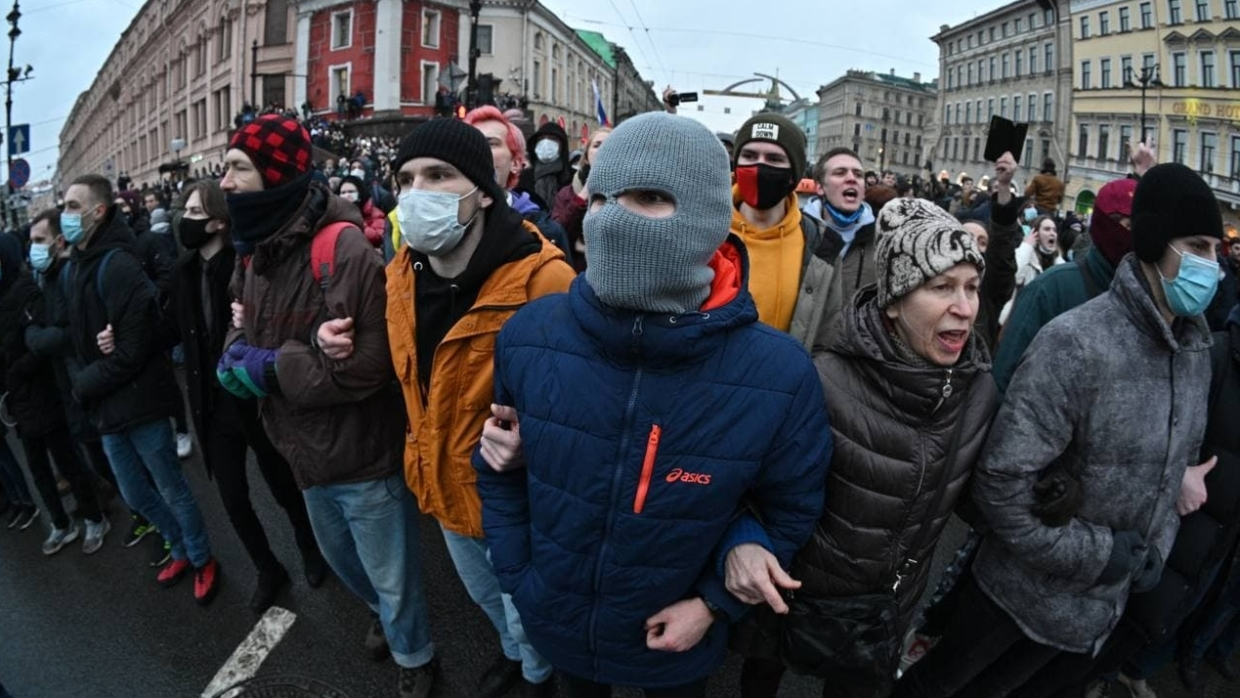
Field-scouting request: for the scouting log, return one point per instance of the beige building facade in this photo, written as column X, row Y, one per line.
column 1190, row 50
column 540, row 57
column 1013, row 62
column 882, row 117
column 168, row 92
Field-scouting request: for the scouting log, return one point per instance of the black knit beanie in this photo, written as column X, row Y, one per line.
column 456, row 143
column 777, row 129
column 1171, row 201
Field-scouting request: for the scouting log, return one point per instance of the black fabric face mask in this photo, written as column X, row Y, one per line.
column 194, row 232
column 763, row 186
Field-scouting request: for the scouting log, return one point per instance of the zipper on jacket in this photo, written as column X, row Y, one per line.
column 903, row 566
column 945, row 392
column 612, row 510
column 652, row 451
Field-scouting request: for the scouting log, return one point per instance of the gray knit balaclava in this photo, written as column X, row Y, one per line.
column 658, row 265
column 917, row 241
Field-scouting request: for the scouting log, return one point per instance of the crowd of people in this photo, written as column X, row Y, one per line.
column 659, row 407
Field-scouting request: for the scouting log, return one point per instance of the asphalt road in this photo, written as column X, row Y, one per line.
column 99, row 626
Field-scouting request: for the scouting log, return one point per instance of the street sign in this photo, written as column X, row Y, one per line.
column 19, row 173
column 19, row 139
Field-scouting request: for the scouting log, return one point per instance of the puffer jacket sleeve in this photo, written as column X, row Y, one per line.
column 132, row 310
column 308, row 378
column 1035, row 427
column 1005, row 236
column 788, row 495
column 505, row 502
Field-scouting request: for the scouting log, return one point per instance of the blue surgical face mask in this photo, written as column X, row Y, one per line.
column 1030, row 214
column 1190, row 292
column 40, row 256
column 71, row 227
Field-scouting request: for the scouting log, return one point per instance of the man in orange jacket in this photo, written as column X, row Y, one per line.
column 468, row 263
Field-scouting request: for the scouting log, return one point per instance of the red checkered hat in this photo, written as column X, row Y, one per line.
column 278, row 146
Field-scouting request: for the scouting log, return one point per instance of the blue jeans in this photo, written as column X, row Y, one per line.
column 12, row 479
column 172, row 509
column 473, row 566
column 368, row 532
column 1218, row 635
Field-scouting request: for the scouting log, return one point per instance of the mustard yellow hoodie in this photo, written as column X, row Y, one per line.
column 774, row 262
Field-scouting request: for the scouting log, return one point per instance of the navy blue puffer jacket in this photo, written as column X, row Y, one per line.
column 642, row 434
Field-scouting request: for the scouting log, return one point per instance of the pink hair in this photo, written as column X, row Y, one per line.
column 515, row 140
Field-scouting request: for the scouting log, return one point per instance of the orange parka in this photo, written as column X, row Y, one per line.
column 445, row 425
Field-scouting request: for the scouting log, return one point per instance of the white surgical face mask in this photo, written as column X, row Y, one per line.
column 349, row 196
column 547, row 150
column 360, row 174
column 429, row 220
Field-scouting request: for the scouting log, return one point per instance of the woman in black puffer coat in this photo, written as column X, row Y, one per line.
column 34, row 402
column 911, row 398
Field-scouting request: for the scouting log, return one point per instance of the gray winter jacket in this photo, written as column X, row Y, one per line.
column 821, row 296
column 1116, row 395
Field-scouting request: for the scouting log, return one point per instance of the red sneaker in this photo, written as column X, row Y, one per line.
column 206, row 582
column 172, row 573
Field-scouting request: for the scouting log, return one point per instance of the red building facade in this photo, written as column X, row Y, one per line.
column 392, row 52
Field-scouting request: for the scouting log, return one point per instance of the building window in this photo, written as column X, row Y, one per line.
column 1235, row 70
column 1028, row 150
column 994, row 73
column 183, row 69
column 977, row 149
column 430, row 82
column 1046, row 149
column 1086, row 76
column 485, row 36
column 1125, row 19
column 856, row 129
column 1104, row 136
column 950, row 79
column 430, row 33
column 968, row 112
column 1084, row 26
column 990, row 108
column 340, row 79
column 1104, row 70
column 959, row 76
column 1125, row 141
column 1147, row 62
column 1033, row 109
column 857, row 111
column 969, row 74
column 1173, row 10
column 1020, row 60
column 223, row 107
column 1207, row 69
column 1203, row 10
column 1033, row 61
column 1235, row 157
column 538, row 41
column 1231, row 10
column 1209, row 148
column 200, row 57
column 1147, row 16
column 555, row 85
column 537, row 80
column 226, row 39
column 1006, row 58
column 992, row 35
column 1179, row 145
column 1049, row 17
column 1016, row 105
column 1049, row 61
column 342, row 30
column 1033, row 20
column 956, row 140
column 1125, row 68
column 1179, row 69
column 1082, row 141
column 947, row 114
column 1003, row 107
column 1104, row 23
column 1016, row 25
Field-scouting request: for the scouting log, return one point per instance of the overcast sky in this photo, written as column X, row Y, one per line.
column 692, row 44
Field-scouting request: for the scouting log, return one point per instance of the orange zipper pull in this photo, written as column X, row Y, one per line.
column 643, row 485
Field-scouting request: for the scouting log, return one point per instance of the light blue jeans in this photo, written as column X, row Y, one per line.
column 172, row 509
column 368, row 532
column 473, row 565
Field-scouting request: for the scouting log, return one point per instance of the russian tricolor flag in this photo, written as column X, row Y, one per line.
column 598, row 106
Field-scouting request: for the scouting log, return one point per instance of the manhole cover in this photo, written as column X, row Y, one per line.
column 282, row 686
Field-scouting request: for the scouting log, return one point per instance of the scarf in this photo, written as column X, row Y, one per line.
column 257, row 215
column 840, row 219
column 848, row 226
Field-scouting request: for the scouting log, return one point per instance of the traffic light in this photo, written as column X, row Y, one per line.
column 460, row 111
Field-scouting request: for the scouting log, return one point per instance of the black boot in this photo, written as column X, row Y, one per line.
column 270, row 584
column 501, row 676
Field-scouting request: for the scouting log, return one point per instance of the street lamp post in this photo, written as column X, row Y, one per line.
column 882, row 148
column 471, row 92
column 14, row 75
column 1147, row 79
column 254, row 76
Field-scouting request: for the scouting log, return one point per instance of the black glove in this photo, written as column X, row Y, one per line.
column 1127, row 556
column 1056, row 498
column 1148, row 576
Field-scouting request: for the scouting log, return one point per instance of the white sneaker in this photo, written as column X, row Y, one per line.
column 94, row 535
column 59, row 538
column 185, row 445
column 1139, row 688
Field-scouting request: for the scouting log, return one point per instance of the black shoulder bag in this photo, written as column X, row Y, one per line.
column 855, row 637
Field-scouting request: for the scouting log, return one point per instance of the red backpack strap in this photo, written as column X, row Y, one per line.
column 323, row 252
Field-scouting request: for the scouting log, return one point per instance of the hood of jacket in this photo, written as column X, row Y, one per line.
column 113, row 233
column 915, row 390
column 553, row 130
column 319, row 209
column 744, row 229
column 665, row 340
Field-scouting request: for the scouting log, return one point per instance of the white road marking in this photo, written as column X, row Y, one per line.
column 253, row 650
